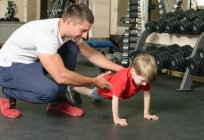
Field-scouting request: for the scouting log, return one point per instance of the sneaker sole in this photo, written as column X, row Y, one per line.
column 11, row 117
column 70, row 114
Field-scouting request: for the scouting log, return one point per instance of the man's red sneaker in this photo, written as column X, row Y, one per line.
column 65, row 108
column 8, row 108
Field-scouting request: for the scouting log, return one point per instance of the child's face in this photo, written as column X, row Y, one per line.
column 139, row 80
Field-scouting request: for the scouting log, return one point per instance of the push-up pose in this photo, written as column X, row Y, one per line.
column 126, row 83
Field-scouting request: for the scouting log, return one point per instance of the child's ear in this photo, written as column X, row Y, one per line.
column 133, row 72
column 133, row 75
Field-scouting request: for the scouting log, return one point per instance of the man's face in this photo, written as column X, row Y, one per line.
column 77, row 31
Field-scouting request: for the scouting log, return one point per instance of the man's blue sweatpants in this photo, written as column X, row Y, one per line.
column 29, row 82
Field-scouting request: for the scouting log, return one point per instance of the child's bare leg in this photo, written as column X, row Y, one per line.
column 84, row 91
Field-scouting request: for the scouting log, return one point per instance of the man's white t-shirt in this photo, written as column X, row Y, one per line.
column 23, row 46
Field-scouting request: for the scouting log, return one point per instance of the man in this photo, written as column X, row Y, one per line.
column 49, row 46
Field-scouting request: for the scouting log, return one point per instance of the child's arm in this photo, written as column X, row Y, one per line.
column 147, row 115
column 115, row 108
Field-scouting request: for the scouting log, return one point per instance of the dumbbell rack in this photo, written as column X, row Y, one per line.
column 188, row 78
column 133, row 30
column 199, row 41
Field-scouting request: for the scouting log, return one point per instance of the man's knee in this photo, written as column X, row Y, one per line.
column 48, row 94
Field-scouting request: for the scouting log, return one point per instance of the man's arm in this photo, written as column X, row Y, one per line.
column 115, row 110
column 97, row 58
column 147, row 99
column 55, row 67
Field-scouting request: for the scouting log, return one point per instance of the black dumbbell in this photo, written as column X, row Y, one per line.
column 185, row 26
column 194, row 65
column 177, row 62
column 200, row 53
column 162, row 60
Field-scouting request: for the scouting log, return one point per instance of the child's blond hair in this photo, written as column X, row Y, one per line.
column 145, row 66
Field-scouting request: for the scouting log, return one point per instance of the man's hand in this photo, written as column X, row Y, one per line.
column 101, row 82
column 151, row 117
column 121, row 122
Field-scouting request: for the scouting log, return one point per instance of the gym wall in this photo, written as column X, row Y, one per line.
column 27, row 10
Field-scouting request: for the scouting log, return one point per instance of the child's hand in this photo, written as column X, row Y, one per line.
column 121, row 122
column 151, row 117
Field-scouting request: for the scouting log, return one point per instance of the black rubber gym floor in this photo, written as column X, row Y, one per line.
column 181, row 117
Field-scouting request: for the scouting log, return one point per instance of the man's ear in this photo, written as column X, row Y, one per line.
column 68, row 21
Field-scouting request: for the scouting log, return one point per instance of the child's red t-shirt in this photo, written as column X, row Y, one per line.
column 123, row 85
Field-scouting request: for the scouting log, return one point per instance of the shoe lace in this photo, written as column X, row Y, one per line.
column 12, row 103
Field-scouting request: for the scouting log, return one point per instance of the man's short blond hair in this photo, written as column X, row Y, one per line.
column 145, row 66
column 78, row 13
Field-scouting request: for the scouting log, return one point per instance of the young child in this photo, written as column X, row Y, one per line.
column 125, row 84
